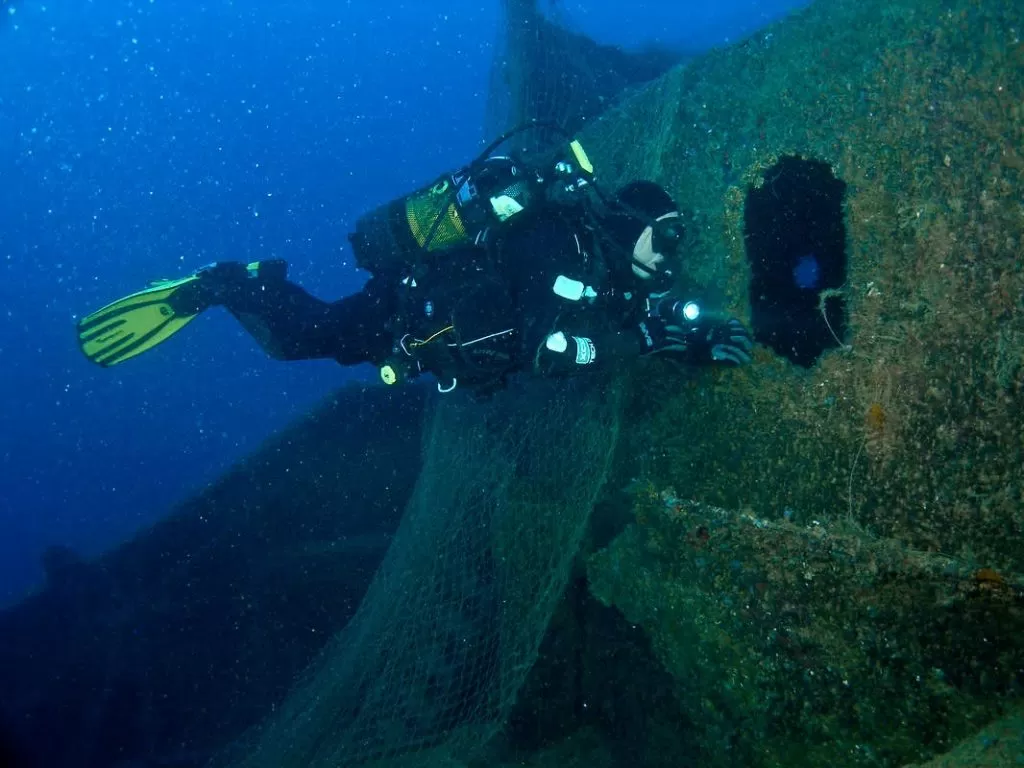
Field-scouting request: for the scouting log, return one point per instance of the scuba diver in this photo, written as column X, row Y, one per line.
column 493, row 270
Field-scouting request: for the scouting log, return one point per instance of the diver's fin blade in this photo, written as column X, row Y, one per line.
column 155, row 291
column 117, row 342
column 132, row 325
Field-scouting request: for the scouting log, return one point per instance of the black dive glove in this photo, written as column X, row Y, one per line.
column 684, row 330
column 227, row 283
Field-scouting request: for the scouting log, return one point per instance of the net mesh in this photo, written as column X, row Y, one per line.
column 429, row 667
column 545, row 71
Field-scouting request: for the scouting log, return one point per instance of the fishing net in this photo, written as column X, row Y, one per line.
column 545, row 71
column 428, row 668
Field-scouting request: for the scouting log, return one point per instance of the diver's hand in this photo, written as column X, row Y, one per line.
column 658, row 335
column 707, row 340
column 728, row 342
column 712, row 337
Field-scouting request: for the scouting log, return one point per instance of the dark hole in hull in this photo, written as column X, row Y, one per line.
column 796, row 245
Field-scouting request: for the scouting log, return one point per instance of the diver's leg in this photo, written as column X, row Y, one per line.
column 290, row 324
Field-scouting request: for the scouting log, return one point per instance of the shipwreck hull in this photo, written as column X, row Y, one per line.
column 886, row 408
column 813, row 559
column 183, row 638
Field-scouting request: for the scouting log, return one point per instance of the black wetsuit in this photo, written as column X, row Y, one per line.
column 548, row 295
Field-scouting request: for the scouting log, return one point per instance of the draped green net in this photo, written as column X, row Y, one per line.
column 429, row 667
column 545, row 70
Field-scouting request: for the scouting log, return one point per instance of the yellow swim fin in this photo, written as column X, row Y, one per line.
column 138, row 322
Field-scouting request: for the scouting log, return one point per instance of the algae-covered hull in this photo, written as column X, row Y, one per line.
column 884, row 408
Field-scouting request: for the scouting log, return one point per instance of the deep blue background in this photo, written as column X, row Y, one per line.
column 143, row 138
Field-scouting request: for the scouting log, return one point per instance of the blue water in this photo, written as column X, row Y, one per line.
column 807, row 272
column 143, row 139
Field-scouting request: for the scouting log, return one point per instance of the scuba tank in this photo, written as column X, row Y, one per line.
column 459, row 207
column 448, row 214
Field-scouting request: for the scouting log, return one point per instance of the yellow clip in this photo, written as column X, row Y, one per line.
column 581, row 156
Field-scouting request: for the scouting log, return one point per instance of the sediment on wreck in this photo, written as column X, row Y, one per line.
column 891, row 420
column 910, row 424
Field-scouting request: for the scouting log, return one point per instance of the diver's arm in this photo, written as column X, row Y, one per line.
column 290, row 324
column 567, row 352
column 668, row 326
